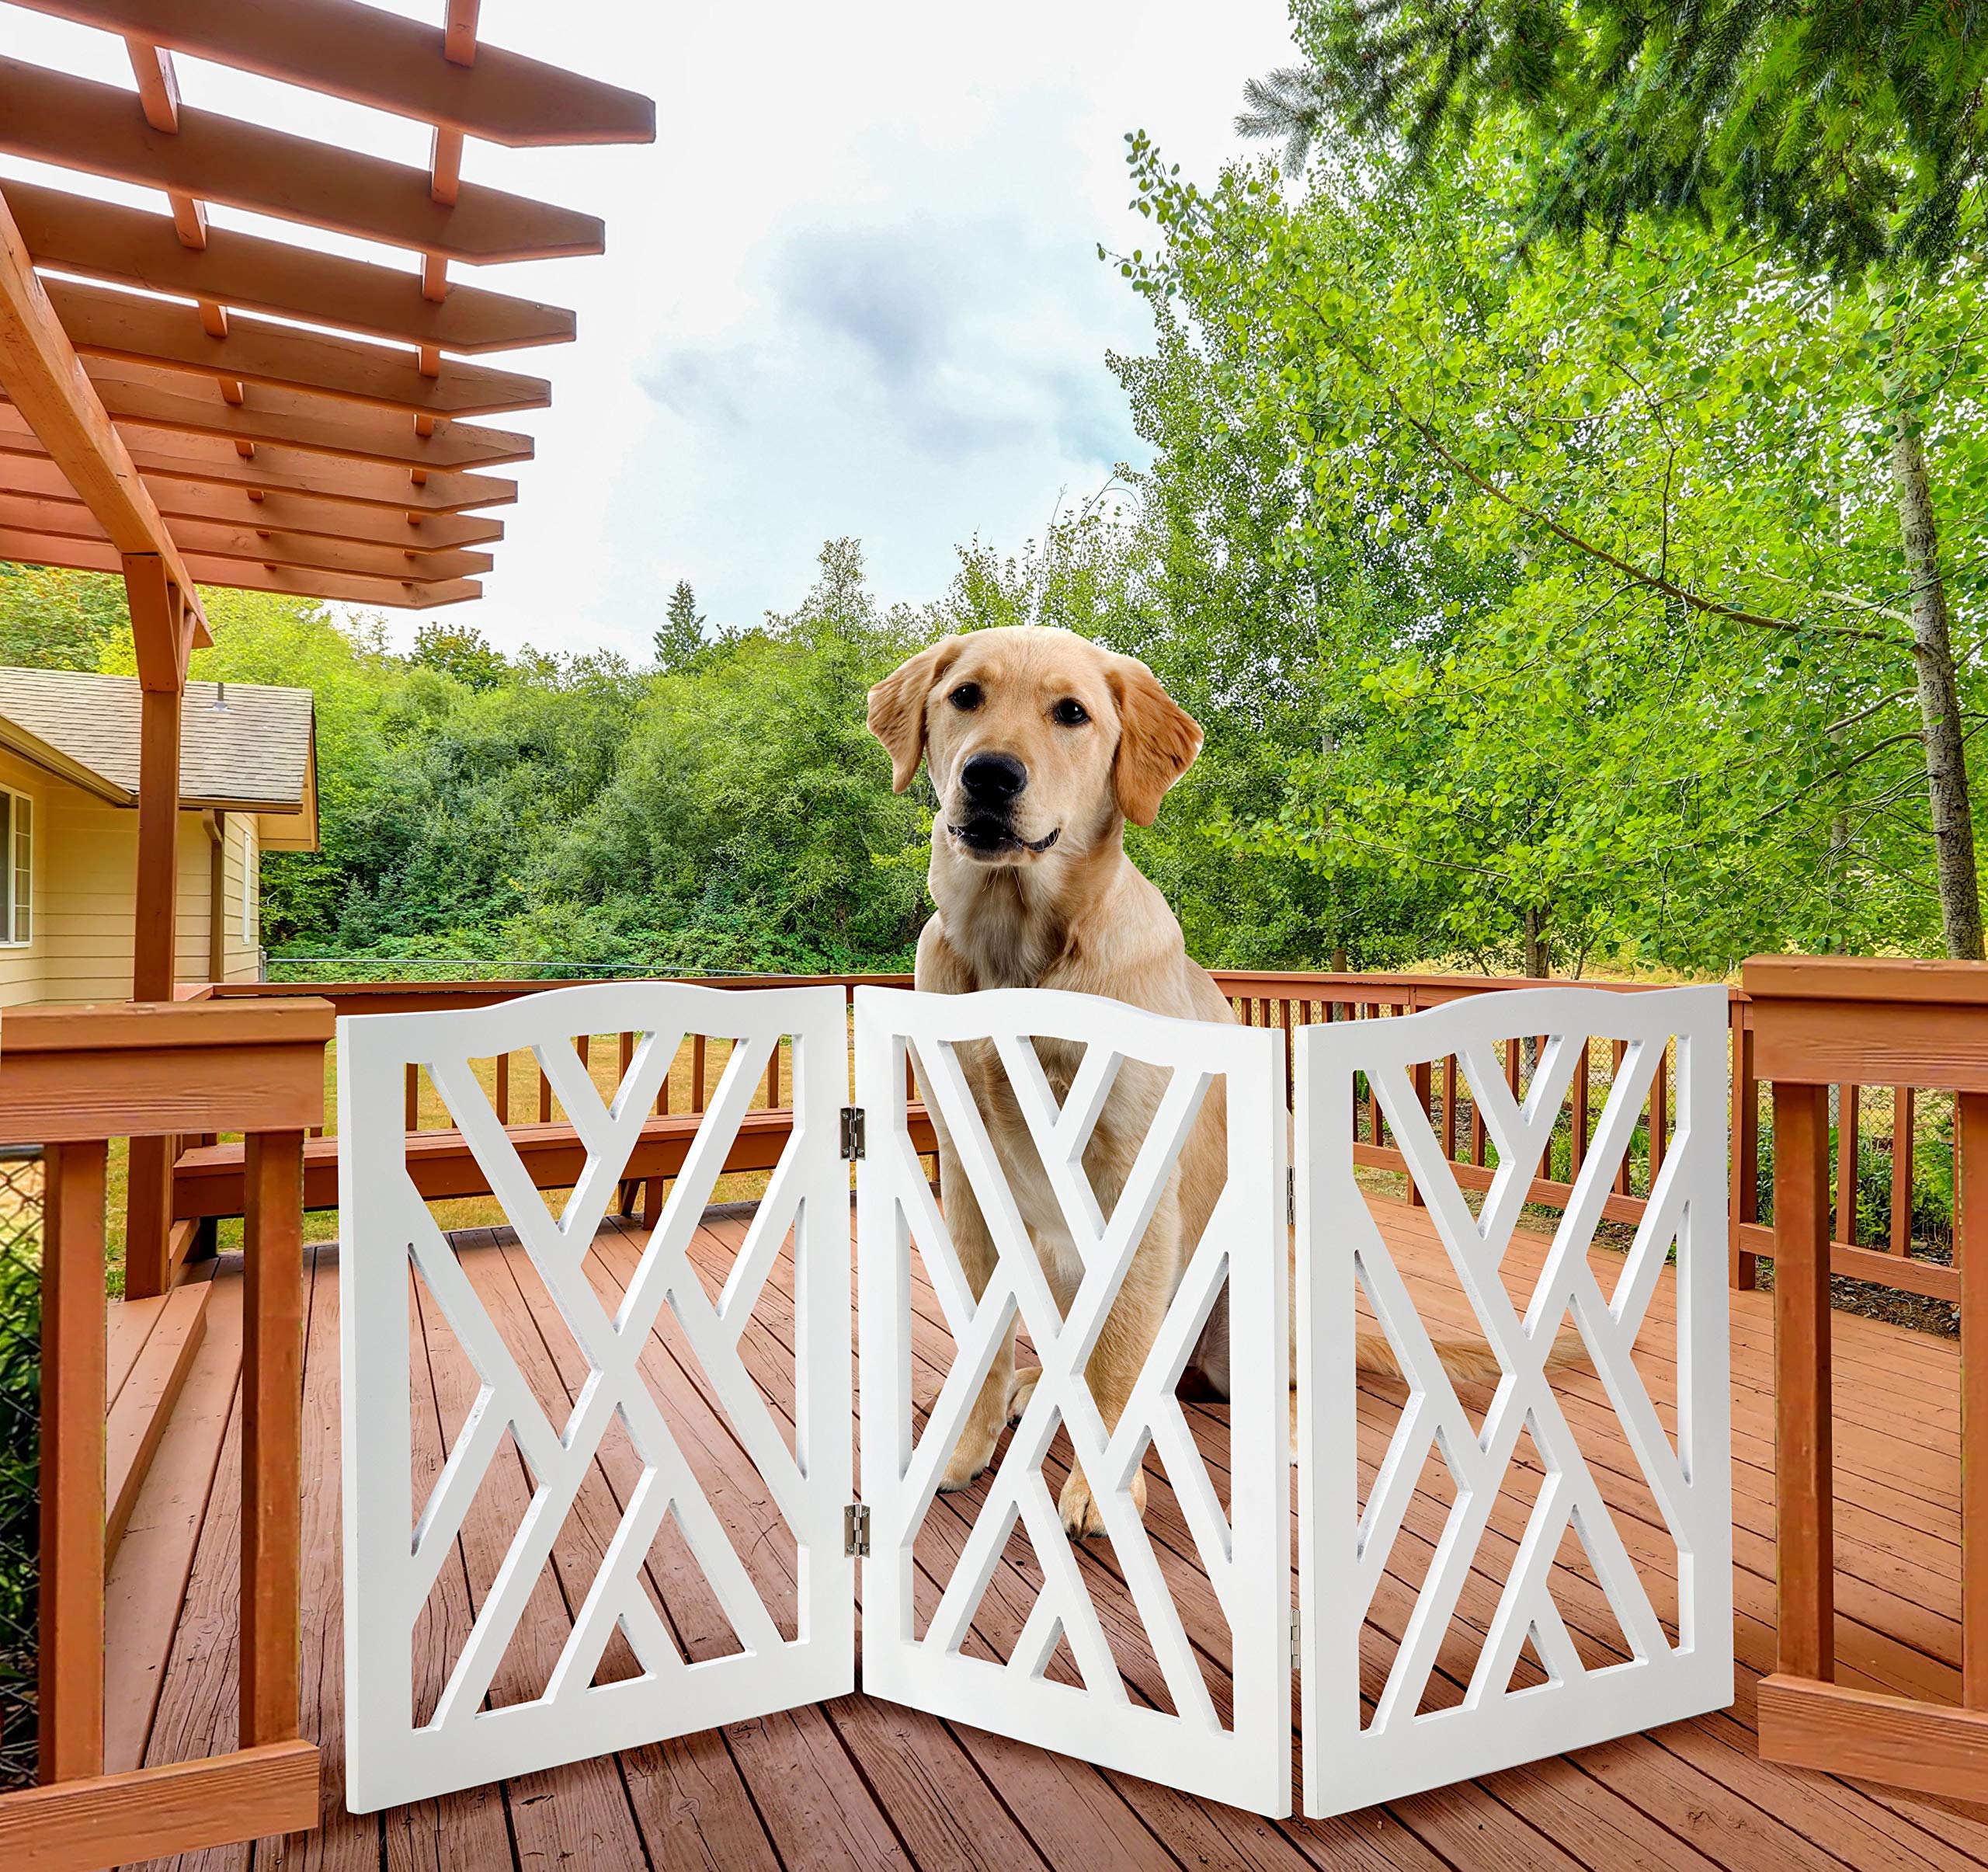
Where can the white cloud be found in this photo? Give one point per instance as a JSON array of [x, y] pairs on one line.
[[853, 288]]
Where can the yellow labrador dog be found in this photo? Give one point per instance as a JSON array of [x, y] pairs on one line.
[[1041, 746]]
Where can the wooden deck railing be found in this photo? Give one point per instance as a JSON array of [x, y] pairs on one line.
[[1819, 1023], [73, 1080], [207, 1183]]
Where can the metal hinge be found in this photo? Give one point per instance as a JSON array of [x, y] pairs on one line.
[[853, 1130], [856, 1531]]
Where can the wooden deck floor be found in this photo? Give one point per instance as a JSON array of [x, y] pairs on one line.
[[862, 1784]]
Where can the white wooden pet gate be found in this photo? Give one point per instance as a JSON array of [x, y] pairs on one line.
[[1059, 1058]]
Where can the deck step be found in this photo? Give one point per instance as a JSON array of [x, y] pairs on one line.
[[173, 1327]]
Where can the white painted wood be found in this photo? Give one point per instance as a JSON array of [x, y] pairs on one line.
[[1342, 1551], [1246, 1553], [385, 1225]]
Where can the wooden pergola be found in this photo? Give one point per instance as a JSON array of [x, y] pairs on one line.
[[187, 405]]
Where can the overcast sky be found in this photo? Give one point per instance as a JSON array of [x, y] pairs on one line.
[[852, 288]]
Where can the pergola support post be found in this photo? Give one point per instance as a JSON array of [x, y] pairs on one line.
[[158, 629]]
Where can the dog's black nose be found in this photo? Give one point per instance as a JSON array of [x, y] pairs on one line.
[[992, 780]]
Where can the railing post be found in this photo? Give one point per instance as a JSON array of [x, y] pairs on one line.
[[272, 1430], [149, 1218], [1804, 1540], [1971, 1250], [73, 1409]]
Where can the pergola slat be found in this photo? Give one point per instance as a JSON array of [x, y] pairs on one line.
[[75, 123], [296, 421], [374, 58], [276, 469], [102, 323], [70, 520], [131, 247], [180, 499], [274, 575]]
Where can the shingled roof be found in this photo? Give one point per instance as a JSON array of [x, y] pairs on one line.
[[244, 746]]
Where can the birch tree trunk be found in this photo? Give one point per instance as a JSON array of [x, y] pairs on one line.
[[1939, 697]]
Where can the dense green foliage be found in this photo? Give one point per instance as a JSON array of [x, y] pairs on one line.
[[1848, 131]]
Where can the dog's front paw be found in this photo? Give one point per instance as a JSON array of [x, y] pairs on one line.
[[1023, 1390], [1078, 1509], [971, 1455]]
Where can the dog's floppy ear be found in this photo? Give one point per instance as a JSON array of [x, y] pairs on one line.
[[897, 708], [1158, 741]]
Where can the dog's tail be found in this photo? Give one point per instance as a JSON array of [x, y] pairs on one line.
[[1466, 1361]]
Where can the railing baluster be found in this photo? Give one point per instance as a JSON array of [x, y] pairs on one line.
[[1847, 1148], [545, 1096], [772, 1078], [1621, 1169], [271, 1432], [73, 1409], [414, 1097], [1420, 1074], [1902, 1116], [504, 1088], [1449, 1106], [1577, 1121], [1742, 1264], [1659, 1112], [1373, 1098], [697, 1073]]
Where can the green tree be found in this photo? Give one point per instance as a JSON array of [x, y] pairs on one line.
[[1848, 137], [1849, 132], [1513, 489], [51, 619], [461, 651], [681, 639]]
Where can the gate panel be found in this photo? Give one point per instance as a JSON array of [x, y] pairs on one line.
[[951, 1636], [612, 1327], [1670, 1663]]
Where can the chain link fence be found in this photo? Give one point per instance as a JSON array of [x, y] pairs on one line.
[[20, 1430]]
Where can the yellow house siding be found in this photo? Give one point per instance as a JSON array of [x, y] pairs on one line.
[[88, 864], [243, 850], [21, 963], [89, 868]]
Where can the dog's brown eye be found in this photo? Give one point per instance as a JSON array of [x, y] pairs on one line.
[[966, 695], [1070, 712]]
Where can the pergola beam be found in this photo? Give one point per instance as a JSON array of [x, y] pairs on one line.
[[389, 64], [134, 394], [104, 323], [132, 247], [73, 123], [269, 574], [276, 469]]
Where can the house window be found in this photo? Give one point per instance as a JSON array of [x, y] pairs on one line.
[[16, 868], [248, 884]]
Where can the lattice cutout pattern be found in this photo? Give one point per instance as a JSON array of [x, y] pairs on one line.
[[1507, 1713], [1242, 1757], [584, 1709]]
